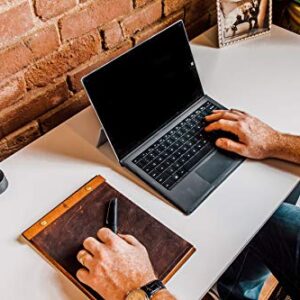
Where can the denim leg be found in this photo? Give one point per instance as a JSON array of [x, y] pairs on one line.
[[276, 248], [244, 279], [278, 244]]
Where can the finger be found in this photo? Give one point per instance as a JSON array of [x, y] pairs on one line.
[[238, 112], [231, 146], [224, 125], [85, 258], [83, 275], [106, 236], [91, 245], [130, 239], [226, 115]]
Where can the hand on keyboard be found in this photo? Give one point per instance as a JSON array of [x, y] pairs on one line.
[[255, 138]]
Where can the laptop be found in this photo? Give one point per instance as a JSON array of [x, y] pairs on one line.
[[151, 105]]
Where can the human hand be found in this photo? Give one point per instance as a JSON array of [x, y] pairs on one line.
[[114, 264], [256, 139]]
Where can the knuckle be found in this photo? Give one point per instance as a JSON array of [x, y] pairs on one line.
[[103, 231], [80, 274], [239, 125], [131, 237], [143, 247], [113, 243], [80, 254], [88, 241]]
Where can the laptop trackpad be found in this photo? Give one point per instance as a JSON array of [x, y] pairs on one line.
[[217, 164]]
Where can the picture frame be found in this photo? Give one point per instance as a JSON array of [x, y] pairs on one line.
[[242, 19]]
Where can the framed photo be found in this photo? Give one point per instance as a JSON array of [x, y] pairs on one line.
[[242, 19]]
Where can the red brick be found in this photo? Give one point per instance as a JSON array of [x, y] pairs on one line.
[[142, 18], [145, 34], [171, 6], [4, 152], [16, 58], [43, 41], [22, 137], [67, 58], [75, 76], [11, 91], [64, 111], [15, 22], [33, 105], [95, 15], [139, 3], [47, 9], [112, 35], [200, 25], [197, 9]]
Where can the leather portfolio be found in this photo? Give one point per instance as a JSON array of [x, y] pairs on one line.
[[59, 235]]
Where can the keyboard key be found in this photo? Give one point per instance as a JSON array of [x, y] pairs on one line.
[[165, 154], [161, 148], [182, 172], [173, 156], [163, 177], [162, 167], [168, 184], [196, 158], [153, 164], [170, 170], [154, 174]]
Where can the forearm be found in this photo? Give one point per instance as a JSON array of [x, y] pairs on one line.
[[287, 148], [163, 295]]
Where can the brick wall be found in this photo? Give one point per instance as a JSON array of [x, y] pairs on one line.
[[46, 46]]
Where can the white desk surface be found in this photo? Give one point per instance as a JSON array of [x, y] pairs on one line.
[[260, 76]]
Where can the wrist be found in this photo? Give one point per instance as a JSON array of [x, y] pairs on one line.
[[278, 145], [152, 290]]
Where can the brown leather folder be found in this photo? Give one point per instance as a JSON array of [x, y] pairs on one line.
[[59, 235]]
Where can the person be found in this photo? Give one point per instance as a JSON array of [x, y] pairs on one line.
[[114, 265]]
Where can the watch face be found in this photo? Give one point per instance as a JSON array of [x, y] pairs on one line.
[[137, 295]]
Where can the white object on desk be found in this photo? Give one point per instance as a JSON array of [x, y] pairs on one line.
[[50, 169]]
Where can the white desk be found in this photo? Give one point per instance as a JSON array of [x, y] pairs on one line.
[[260, 76]]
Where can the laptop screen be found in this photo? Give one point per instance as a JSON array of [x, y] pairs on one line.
[[139, 92]]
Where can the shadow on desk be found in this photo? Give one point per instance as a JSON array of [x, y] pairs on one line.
[[290, 168], [68, 290]]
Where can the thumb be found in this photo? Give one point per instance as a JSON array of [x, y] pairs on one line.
[[231, 146]]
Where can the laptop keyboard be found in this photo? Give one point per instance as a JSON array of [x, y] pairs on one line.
[[175, 154]]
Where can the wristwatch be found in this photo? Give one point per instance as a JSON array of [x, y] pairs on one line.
[[146, 292]]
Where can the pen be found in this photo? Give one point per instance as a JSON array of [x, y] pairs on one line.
[[112, 215]]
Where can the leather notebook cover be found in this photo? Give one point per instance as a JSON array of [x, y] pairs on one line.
[[59, 235]]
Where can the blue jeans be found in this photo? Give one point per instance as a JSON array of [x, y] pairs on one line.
[[276, 249]]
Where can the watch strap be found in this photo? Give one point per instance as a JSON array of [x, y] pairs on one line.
[[152, 288]]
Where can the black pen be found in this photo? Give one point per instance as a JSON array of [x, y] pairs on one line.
[[112, 215]]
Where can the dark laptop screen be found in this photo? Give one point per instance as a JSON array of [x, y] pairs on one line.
[[139, 92]]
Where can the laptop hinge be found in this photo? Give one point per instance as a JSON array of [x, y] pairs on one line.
[[102, 138]]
